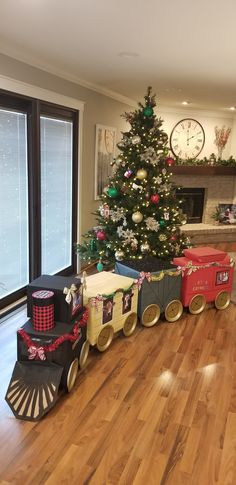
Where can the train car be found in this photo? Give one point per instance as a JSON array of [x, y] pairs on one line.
[[111, 301], [207, 276], [49, 352], [159, 288]]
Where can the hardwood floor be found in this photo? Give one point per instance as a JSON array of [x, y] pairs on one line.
[[158, 407]]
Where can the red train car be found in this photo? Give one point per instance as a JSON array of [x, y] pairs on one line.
[[207, 276]]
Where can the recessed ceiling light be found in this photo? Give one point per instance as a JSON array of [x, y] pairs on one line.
[[185, 103], [127, 55], [232, 108]]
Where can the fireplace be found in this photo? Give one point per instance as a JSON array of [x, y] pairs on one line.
[[192, 203]]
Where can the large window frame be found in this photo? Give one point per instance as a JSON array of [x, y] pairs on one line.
[[34, 108]]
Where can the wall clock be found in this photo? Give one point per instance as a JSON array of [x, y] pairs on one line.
[[187, 138]]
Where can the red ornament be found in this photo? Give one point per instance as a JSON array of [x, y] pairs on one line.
[[155, 198], [170, 162], [101, 235]]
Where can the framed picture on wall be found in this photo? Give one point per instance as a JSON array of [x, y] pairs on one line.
[[227, 213], [105, 144]]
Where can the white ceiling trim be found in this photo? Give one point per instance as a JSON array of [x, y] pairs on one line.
[[32, 91], [191, 112], [64, 75]]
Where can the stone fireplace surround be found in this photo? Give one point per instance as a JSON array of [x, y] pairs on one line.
[[220, 188]]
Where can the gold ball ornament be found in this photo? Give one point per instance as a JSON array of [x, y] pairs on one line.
[[137, 217], [145, 248], [141, 174]]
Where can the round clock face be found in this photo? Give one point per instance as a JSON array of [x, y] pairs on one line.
[[187, 138]]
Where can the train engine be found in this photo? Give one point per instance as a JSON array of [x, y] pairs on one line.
[[50, 346]]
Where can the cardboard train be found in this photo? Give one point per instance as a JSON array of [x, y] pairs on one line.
[[67, 316]]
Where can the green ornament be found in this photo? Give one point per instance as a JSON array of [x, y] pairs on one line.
[[92, 245], [99, 266], [162, 223], [113, 192], [148, 111]]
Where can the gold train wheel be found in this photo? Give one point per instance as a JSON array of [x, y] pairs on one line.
[[222, 300], [84, 354], [130, 324], [72, 373], [104, 338], [197, 304], [151, 315], [173, 311]]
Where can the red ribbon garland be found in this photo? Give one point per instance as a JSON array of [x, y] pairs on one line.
[[38, 351]]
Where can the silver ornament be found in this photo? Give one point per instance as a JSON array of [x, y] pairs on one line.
[[119, 255], [145, 248], [136, 139]]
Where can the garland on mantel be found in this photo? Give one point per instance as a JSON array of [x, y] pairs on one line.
[[38, 351], [212, 160]]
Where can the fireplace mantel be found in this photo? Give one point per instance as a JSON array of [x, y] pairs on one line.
[[202, 170]]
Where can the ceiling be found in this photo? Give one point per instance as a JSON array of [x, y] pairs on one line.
[[185, 49]]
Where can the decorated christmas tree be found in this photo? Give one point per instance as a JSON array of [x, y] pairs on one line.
[[140, 213]]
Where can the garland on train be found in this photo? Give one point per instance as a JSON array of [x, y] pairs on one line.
[[190, 267], [38, 351]]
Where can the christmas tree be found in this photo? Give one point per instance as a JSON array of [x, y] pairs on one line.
[[139, 213]]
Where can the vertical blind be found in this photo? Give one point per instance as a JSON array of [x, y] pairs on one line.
[[56, 194], [14, 247]]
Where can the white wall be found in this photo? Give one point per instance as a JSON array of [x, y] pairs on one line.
[[100, 109], [208, 121]]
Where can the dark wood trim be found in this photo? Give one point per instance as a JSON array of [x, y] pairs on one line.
[[75, 188], [34, 192], [55, 111], [202, 170]]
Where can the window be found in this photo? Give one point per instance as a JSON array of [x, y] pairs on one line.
[[14, 253], [38, 192], [56, 194]]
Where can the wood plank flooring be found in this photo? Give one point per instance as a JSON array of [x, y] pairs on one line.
[[158, 407]]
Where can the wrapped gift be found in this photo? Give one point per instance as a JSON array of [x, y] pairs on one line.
[[159, 286], [207, 276], [68, 298], [112, 303]]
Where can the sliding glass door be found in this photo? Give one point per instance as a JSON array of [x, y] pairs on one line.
[[38, 192], [56, 194], [14, 225]]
